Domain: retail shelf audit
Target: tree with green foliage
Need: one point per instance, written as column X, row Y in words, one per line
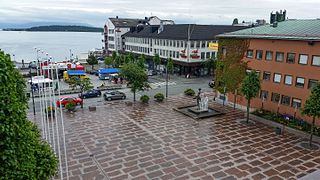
column 127, row 59
column 83, row 84
column 170, row 65
column 250, row 88
column 141, row 61
column 312, row 108
column 108, row 61
column 117, row 62
column 210, row 64
column 156, row 61
column 23, row 153
column 230, row 67
column 136, row 77
column 92, row 60
column 114, row 57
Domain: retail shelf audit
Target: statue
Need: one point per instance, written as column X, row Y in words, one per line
column 199, row 98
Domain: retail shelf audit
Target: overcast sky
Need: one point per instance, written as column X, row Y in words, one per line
column 95, row 12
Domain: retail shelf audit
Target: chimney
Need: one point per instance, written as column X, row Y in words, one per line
column 117, row 17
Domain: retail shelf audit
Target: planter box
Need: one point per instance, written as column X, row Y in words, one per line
column 286, row 129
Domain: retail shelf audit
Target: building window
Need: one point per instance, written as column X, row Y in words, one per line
column 192, row 44
column 202, row 55
column 174, row 43
column 316, row 60
column 291, row 58
column 213, row 54
column 303, row 59
column 288, row 80
column 296, row 103
column 178, row 43
column 279, row 56
column 170, row 43
column 266, row 76
column 300, row 82
column 269, row 55
column 250, row 54
column 277, row 78
column 207, row 55
column 203, row 44
column 275, row 97
column 259, row 54
column 285, row 100
column 312, row 83
column 197, row 44
column 264, row 95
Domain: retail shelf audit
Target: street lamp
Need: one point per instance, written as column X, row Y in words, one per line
column 166, row 61
column 34, row 108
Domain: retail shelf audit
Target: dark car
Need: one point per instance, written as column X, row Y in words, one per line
column 91, row 93
column 112, row 95
column 211, row 84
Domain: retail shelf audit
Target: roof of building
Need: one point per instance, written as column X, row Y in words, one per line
column 289, row 29
column 109, row 70
column 180, row 31
column 126, row 22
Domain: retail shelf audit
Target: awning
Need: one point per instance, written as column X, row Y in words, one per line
column 109, row 71
column 76, row 72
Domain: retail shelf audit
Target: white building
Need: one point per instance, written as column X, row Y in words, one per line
column 116, row 27
column 187, row 44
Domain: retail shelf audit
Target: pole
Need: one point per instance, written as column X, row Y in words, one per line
column 224, row 95
column 34, row 108
column 167, row 80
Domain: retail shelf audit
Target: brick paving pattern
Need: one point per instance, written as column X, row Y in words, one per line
column 154, row 142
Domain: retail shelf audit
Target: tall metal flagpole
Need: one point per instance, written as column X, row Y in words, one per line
column 44, row 129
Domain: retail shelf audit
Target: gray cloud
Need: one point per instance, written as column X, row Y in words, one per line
column 182, row 11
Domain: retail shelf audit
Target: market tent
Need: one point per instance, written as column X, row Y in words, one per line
column 76, row 72
column 109, row 71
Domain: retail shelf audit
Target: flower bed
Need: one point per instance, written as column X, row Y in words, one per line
column 287, row 120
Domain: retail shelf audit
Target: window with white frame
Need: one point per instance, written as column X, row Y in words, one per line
column 269, row 55
column 277, row 78
column 303, row 59
column 296, row 103
column 259, row 54
column 300, row 82
column 249, row 53
column 316, row 60
column 279, row 56
column 288, row 80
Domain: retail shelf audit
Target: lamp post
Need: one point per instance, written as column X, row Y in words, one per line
column 166, row 61
column 224, row 95
column 34, row 108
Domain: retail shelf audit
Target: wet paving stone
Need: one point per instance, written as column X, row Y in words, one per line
column 154, row 142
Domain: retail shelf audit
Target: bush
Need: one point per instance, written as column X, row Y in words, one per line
column 144, row 99
column 189, row 92
column 70, row 106
column 159, row 97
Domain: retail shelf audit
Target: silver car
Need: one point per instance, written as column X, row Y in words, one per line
column 112, row 95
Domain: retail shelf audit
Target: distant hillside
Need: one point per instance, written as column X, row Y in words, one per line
column 60, row 28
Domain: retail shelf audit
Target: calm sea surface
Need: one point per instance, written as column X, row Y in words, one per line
column 56, row 44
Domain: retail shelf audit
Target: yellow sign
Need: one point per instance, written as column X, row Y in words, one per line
column 213, row 46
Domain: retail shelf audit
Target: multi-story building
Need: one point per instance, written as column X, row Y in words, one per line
column 187, row 44
column 287, row 57
column 116, row 27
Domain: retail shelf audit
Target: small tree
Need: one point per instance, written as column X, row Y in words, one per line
column 84, row 84
column 114, row 57
column 92, row 60
column 136, row 77
column 23, row 153
column 141, row 61
column 312, row 108
column 170, row 65
column 210, row 64
column 108, row 61
column 117, row 62
column 156, row 61
column 250, row 88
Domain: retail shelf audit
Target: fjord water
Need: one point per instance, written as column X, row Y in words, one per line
column 56, row 44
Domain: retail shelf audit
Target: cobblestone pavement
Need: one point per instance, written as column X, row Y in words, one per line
column 152, row 141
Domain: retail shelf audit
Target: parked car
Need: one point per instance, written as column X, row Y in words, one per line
column 112, row 95
column 66, row 99
column 211, row 84
column 151, row 73
column 91, row 93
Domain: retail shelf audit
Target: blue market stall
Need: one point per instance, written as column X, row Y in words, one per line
column 105, row 74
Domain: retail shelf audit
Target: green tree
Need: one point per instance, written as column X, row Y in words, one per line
column 83, row 84
column 114, row 57
column 210, row 64
column 250, row 88
column 170, row 65
column 23, row 153
column 136, row 77
column 127, row 59
column 117, row 62
column 92, row 60
column 108, row 61
column 141, row 61
column 312, row 108
column 156, row 61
